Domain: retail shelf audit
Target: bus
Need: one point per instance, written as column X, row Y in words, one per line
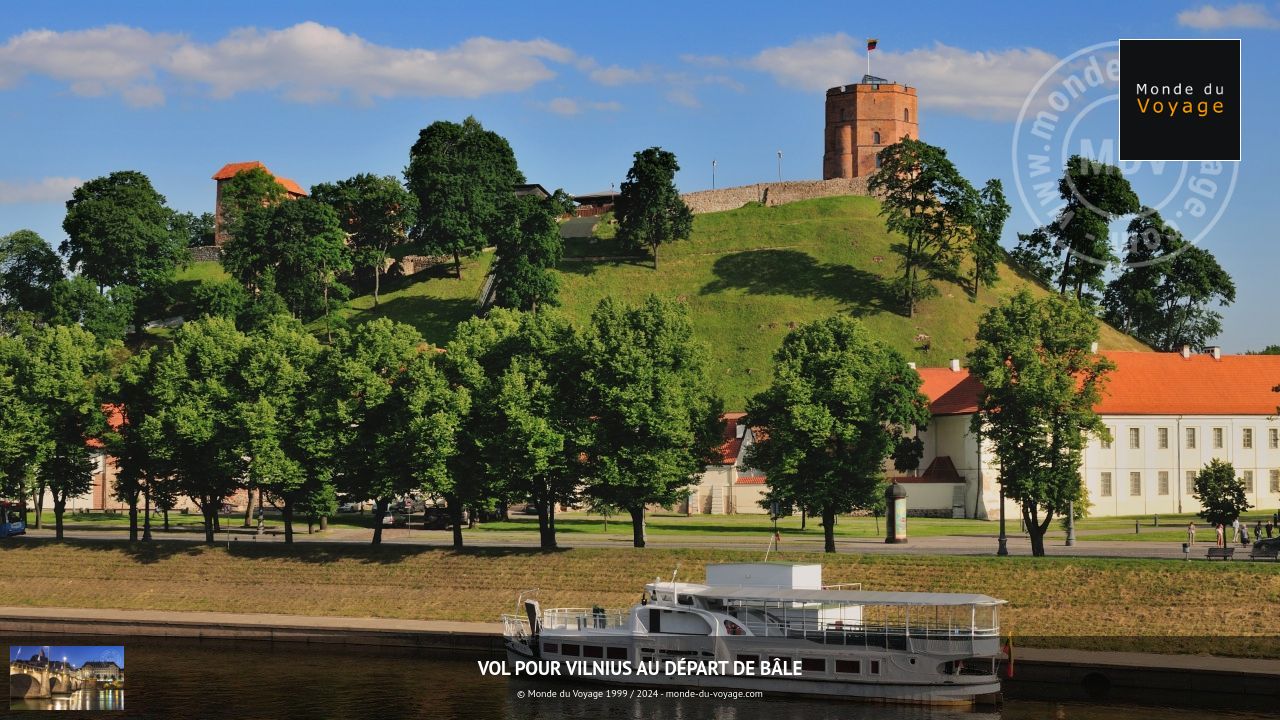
column 11, row 519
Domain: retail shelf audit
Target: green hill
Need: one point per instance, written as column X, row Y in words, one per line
column 748, row 276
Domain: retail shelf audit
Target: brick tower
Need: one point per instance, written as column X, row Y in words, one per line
column 862, row 120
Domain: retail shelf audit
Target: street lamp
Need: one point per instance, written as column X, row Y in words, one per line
column 1004, row 539
column 713, row 174
column 779, row 166
column 1071, row 523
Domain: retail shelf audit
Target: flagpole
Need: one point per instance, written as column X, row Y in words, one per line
column 868, row 61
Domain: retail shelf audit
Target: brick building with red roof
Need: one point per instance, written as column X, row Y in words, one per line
column 292, row 190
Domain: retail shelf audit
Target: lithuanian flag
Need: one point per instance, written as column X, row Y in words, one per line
column 871, row 44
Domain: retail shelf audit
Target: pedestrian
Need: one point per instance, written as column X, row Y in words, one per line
column 1270, row 527
column 1244, row 534
column 1221, row 532
column 1235, row 531
column 1191, row 533
column 1257, row 531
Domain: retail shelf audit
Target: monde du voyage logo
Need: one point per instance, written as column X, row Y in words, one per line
column 1179, row 100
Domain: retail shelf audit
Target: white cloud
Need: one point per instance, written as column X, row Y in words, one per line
column 44, row 190
column 569, row 106
column 705, row 60
column 683, row 96
column 95, row 62
column 615, row 75
column 307, row 62
column 989, row 85
column 1244, row 15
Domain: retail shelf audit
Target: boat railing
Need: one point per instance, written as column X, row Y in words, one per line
column 887, row 635
column 843, row 586
column 515, row 627
column 584, row 619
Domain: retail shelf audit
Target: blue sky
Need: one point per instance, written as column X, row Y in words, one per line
column 77, row 655
column 321, row 92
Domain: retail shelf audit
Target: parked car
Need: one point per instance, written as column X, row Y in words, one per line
column 1266, row 548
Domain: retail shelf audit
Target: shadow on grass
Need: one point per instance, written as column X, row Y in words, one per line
column 794, row 273
column 435, row 318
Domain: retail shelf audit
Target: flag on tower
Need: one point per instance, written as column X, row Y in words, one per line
column 871, row 44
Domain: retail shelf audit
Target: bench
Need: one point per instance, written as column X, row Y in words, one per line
column 1265, row 553
column 1222, row 553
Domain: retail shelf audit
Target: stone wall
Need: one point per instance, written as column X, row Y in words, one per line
column 774, row 193
column 205, row 253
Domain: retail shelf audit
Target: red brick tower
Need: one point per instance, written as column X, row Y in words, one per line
column 862, row 120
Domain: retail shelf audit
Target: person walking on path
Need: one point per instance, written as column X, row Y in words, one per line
column 1257, row 531
column 1244, row 534
column 1221, row 533
column 1191, row 534
column 1235, row 531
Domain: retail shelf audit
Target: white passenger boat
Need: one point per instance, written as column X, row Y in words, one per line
column 930, row 648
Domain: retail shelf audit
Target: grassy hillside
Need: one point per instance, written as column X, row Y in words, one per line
column 748, row 276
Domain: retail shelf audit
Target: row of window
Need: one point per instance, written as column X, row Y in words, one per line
column 604, row 652
column 808, row 665
column 1162, row 482
column 1218, row 437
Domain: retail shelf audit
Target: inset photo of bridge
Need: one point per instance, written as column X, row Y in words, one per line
column 66, row 677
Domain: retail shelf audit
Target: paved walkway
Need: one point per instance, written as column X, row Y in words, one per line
column 966, row 545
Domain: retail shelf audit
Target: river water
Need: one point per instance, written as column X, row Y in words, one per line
column 248, row 681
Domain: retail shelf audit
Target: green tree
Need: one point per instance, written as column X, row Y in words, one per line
column 28, row 271
column 77, row 301
column 376, row 213
column 523, row 437
column 195, row 230
column 119, row 232
column 358, row 381
column 529, row 247
column 649, row 209
column 841, row 403
column 1220, row 493
column 654, row 421
column 462, row 175
column 225, row 298
column 64, row 375
column 195, row 419
column 1268, row 350
column 926, row 200
column 294, row 250
column 288, row 447
column 1164, row 295
column 140, row 461
column 245, row 192
column 1040, row 383
column 23, row 431
column 992, row 212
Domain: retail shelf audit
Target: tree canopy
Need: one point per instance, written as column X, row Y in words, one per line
column 462, row 176
column 529, row 247
column 29, row 269
column 1221, row 494
column 1040, row 383
column 841, row 403
column 376, row 213
column 649, row 209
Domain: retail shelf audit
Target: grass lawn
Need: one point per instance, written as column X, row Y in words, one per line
column 1152, row 605
column 750, row 275
column 744, row 525
column 186, row 280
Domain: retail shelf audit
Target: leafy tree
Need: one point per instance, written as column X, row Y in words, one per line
column 992, row 212
column 1040, row 383
column 529, row 246
column 76, row 301
column 649, row 209
column 926, row 200
column 462, row 175
column 119, row 233
column 317, row 502
column 654, row 421
column 359, row 380
column 64, row 375
column 224, row 298
column 288, row 448
column 294, row 250
column 1268, row 350
column 1220, row 493
column 1164, row 294
column 28, row 271
column 195, row 230
column 23, row 430
column 195, row 418
column 523, row 437
column 139, row 460
column 244, row 192
column 840, row 405
column 376, row 213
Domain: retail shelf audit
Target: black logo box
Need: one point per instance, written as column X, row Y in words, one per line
column 1208, row 132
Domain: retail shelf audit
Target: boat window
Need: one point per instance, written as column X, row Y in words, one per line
column 875, row 667
column 849, row 667
column 685, row 600
column 569, row 649
column 813, row 665
column 592, row 651
column 733, row 628
column 747, row 658
column 615, row 653
column 551, row 647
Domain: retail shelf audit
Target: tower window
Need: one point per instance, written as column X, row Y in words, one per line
column 879, row 161
column 876, row 137
column 906, row 115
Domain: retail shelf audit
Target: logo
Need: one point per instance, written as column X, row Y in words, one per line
column 1073, row 110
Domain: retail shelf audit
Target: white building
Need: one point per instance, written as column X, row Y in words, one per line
column 1169, row 414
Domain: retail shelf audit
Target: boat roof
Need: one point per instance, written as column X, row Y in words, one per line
column 844, row 597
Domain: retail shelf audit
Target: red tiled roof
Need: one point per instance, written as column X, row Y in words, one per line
column 230, row 170
column 115, row 419
column 1147, row 383
column 750, row 480
column 732, row 443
